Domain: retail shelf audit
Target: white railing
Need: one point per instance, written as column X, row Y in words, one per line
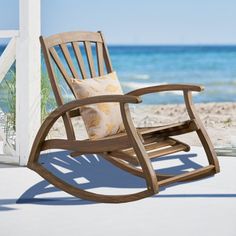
column 9, row 55
column 7, row 58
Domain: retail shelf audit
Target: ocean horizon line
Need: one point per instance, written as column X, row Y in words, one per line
column 163, row 45
column 174, row 45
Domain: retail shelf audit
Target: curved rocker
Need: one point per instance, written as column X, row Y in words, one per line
column 134, row 148
column 40, row 144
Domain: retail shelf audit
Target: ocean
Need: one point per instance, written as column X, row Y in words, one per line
column 211, row 66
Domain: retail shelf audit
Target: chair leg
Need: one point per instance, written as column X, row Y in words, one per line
column 209, row 149
column 201, row 132
column 145, row 163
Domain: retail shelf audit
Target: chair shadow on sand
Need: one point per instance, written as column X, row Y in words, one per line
column 95, row 172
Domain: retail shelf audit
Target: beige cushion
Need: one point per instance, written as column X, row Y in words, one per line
column 101, row 119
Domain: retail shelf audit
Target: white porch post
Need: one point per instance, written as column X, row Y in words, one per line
column 28, row 74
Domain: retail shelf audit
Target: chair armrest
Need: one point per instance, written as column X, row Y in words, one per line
column 105, row 98
column 166, row 87
column 186, row 88
column 63, row 109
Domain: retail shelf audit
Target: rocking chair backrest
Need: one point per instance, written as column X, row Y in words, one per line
column 61, row 50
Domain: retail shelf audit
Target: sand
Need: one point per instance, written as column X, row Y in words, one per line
column 218, row 118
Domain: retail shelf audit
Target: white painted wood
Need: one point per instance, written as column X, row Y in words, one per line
column 7, row 152
column 28, row 75
column 8, row 33
column 4, row 145
column 7, row 58
column 9, row 159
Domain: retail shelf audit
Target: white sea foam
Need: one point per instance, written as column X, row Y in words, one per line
column 141, row 76
column 137, row 85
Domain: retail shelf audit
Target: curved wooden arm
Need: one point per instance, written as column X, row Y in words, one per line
column 63, row 109
column 68, row 110
column 166, row 87
column 93, row 100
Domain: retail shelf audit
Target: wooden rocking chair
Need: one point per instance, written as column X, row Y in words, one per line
column 128, row 150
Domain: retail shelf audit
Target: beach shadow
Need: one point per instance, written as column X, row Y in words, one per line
column 94, row 172
column 98, row 173
column 86, row 172
column 4, row 204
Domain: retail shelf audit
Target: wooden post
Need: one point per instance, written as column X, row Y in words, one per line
column 28, row 77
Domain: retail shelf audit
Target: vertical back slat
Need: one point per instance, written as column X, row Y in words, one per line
column 68, row 58
column 79, row 59
column 60, row 66
column 52, row 55
column 51, row 73
column 106, row 55
column 100, row 60
column 68, row 125
column 88, row 51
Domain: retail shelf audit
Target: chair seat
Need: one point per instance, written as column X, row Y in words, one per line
column 161, row 131
column 156, row 141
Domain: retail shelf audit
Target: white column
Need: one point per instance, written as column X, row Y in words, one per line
column 28, row 76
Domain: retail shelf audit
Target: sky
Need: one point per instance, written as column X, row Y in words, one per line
column 136, row 21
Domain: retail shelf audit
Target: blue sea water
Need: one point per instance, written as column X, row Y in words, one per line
column 211, row 66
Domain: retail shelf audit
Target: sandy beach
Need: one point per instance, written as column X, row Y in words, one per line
column 218, row 118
